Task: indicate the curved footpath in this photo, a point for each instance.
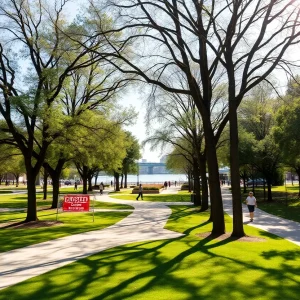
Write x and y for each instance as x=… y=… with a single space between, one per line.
x=286 y=229
x=146 y=223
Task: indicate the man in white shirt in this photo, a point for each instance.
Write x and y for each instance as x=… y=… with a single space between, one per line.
x=251 y=203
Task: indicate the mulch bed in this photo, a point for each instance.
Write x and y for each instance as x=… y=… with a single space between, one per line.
x=32 y=224
x=225 y=236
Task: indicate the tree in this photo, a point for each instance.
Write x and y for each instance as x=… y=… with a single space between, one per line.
x=233 y=38
x=286 y=134
x=29 y=100
x=181 y=127
x=257 y=118
x=129 y=165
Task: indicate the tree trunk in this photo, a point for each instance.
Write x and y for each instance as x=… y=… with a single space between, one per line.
x=125 y=180
x=55 y=176
x=189 y=181
x=84 y=176
x=31 y=194
x=122 y=177
x=244 y=183
x=213 y=179
x=55 y=185
x=117 y=176
x=269 y=190
x=196 y=190
x=298 y=173
x=96 y=178
x=90 y=187
x=45 y=184
x=204 y=186
x=238 y=226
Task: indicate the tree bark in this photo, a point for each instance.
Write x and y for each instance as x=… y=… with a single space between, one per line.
x=122 y=178
x=55 y=176
x=55 y=185
x=125 y=180
x=204 y=186
x=217 y=213
x=90 y=187
x=269 y=190
x=238 y=226
x=196 y=190
x=84 y=177
x=117 y=176
x=31 y=194
x=45 y=184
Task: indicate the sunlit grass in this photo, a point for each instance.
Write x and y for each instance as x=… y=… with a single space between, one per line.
x=156 y=197
x=72 y=223
x=285 y=204
x=189 y=267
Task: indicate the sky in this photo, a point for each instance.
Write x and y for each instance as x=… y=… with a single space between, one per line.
x=132 y=97
x=139 y=128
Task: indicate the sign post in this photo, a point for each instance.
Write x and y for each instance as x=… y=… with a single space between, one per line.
x=75 y=203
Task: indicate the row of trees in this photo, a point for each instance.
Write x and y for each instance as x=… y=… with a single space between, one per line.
x=239 y=42
x=58 y=99
x=185 y=48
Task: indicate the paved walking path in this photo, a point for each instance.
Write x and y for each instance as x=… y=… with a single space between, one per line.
x=146 y=223
x=287 y=229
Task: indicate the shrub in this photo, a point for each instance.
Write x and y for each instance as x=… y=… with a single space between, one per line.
x=185 y=187
x=154 y=187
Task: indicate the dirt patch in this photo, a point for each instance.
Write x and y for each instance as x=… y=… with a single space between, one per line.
x=32 y=224
x=228 y=236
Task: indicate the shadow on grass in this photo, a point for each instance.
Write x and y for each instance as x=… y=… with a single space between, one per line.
x=145 y=272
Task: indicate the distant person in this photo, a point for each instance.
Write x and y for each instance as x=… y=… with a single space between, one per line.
x=111 y=183
x=251 y=203
x=169 y=183
x=175 y=183
x=75 y=186
x=165 y=185
x=140 y=192
x=101 y=187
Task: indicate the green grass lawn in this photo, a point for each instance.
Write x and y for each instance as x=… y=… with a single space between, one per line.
x=285 y=204
x=156 y=197
x=72 y=223
x=289 y=210
x=20 y=201
x=190 y=267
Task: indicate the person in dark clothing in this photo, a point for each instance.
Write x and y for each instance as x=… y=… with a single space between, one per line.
x=140 y=192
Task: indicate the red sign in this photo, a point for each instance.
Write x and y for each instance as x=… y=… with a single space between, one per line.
x=76 y=203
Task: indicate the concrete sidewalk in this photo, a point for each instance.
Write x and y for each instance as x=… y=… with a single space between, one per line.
x=286 y=229
x=146 y=223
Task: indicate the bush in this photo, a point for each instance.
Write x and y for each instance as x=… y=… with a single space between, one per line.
x=154 y=187
x=185 y=187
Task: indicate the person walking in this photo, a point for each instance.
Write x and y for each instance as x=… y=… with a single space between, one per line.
x=251 y=203
x=75 y=186
x=140 y=192
x=101 y=187
x=165 y=185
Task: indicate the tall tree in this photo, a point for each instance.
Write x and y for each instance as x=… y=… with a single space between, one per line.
x=129 y=165
x=29 y=99
x=234 y=38
x=287 y=134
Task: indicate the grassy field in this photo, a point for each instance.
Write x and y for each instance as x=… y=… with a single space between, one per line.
x=20 y=201
x=190 y=267
x=285 y=204
x=156 y=197
x=70 y=223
